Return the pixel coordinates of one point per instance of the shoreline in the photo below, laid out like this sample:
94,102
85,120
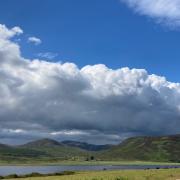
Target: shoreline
93,163
101,174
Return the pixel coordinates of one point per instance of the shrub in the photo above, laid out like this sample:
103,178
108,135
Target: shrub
92,158
34,174
11,176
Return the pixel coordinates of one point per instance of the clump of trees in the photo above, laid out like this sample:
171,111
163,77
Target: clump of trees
91,158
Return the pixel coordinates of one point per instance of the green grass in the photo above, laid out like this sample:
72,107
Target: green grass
44,163
113,163
169,174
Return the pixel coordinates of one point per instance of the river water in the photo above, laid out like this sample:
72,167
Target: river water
6,170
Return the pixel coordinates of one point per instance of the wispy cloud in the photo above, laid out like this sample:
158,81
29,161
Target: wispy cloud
163,11
34,40
47,55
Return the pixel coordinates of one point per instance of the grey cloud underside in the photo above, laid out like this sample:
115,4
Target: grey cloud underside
95,103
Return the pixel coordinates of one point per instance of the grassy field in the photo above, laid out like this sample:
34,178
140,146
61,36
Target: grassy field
169,174
44,163
115,163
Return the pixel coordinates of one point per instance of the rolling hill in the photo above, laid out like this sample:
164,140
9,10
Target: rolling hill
19,154
55,151
44,150
163,148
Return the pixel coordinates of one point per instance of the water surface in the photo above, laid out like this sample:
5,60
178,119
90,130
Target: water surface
6,170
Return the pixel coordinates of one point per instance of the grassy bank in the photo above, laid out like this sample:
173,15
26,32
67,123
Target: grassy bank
45,163
169,174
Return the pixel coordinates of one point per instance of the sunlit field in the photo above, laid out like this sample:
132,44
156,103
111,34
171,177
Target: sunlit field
168,174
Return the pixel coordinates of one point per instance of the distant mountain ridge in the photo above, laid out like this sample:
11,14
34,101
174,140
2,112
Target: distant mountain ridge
3,146
42,143
86,146
53,143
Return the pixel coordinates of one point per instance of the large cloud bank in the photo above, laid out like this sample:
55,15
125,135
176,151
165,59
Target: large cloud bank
164,11
95,103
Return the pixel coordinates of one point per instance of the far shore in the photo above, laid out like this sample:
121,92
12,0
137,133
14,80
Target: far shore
74,163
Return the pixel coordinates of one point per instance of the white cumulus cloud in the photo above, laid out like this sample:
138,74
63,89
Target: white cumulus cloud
6,33
40,98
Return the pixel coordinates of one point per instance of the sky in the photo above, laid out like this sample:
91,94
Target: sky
88,70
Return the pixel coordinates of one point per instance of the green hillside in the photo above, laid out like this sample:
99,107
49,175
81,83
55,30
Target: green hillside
164,148
16,154
45,150
56,150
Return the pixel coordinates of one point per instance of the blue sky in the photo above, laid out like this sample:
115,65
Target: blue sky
93,32
93,98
